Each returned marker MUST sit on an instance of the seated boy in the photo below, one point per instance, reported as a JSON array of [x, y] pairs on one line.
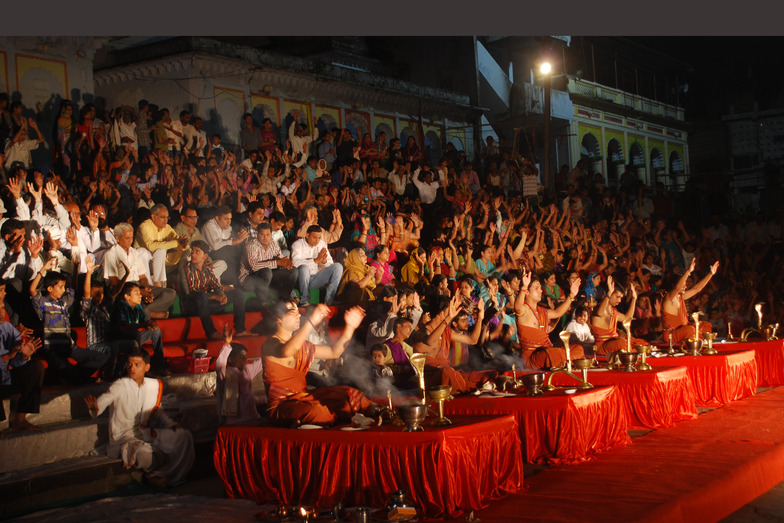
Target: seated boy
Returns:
[[52, 306], [95, 312], [129, 321], [235, 376], [140, 432], [378, 353]]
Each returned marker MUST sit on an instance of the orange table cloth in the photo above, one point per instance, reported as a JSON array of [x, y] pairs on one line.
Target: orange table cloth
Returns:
[[654, 399], [718, 379], [769, 356], [445, 470], [557, 427]]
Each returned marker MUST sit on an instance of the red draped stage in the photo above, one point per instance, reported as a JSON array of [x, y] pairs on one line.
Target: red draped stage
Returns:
[[769, 356], [557, 427], [718, 379], [653, 398], [446, 471]]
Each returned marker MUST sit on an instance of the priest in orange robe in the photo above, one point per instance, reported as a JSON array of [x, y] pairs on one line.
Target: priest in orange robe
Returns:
[[675, 319], [604, 321], [533, 325], [287, 357]]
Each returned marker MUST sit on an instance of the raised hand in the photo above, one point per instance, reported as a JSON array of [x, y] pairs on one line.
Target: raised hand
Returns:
[[15, 187], [92, 403], [610, 285], [35, 245], [525, 278], [713, 268], [51, 192], [28, 347], [320, 312], [574, 288], [354, 317]]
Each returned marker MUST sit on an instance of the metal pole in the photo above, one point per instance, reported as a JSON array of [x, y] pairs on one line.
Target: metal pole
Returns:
[[548, 182]]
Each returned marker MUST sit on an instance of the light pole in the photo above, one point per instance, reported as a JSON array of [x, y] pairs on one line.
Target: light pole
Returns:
[[545, 70]]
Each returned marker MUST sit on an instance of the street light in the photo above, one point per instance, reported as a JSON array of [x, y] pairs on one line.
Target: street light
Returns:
[[545, 69]]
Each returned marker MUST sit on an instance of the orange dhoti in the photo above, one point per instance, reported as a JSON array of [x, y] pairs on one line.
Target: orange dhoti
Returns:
[[614, 344], [538, 350], [678, 325], [289, 400], [440, 367], [325, 405]]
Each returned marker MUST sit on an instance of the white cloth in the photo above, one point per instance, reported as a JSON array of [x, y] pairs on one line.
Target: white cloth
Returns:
[[582, 331], [137, 426], [303, 254], [427, 191], [116, 256], [215, 236]]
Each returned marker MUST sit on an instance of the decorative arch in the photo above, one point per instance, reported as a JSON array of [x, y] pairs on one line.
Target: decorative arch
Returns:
[[676, 163], [658, 168], [386, 129], [614, 151], [615, 161], [357, 125], [325, 123], [405, 132], [458, 143], [637, 155], [589, 146]]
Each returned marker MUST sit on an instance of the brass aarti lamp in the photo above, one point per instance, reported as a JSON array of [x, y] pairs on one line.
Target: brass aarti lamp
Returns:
[[565, 335], [709, 337], [418, 362], [744, 336], [627, 324]]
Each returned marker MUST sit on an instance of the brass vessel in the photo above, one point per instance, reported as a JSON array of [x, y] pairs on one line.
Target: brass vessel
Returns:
[[692, 347], [643, 351], [412, 415], [565, 335], [440, 394], [709, 337], [533, 383], [583, 364], [628, 360]]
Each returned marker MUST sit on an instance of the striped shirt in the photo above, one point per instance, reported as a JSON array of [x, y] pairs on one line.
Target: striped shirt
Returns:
[[96, 321], [256, 257], [201, 280]]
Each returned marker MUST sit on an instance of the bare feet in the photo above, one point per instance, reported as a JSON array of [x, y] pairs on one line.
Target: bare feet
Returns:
[[244, 334], [159, 315], [21, 424]]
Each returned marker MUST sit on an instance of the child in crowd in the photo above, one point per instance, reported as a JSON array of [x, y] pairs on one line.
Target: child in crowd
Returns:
[[378, 353], [235, 375], [140, 432], [95, 313], [129, 321], [52, 306], [580, 329]]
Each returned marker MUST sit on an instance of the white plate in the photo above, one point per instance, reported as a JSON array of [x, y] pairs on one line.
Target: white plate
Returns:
[[310, 427], [570, 391], [354, 428], [598, 369]]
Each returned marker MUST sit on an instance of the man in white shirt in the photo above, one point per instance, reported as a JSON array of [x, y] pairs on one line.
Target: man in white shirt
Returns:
[[123, 257], [97, 238], [428, 188], [316, 268], [217, 233], [18, 147]]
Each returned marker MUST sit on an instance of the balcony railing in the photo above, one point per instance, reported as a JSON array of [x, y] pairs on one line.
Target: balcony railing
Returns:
[[616, 96]]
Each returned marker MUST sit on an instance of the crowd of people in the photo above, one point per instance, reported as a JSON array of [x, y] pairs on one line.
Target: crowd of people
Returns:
[[462, 261]]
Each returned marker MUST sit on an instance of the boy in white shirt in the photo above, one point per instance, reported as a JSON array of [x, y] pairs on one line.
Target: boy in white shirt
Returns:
[[139, 431]]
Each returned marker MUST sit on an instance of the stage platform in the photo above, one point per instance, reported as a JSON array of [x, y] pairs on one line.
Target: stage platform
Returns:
[[654, 399], [769, 356], [697, 471], [557, 427], [718, 379], [446, 471]]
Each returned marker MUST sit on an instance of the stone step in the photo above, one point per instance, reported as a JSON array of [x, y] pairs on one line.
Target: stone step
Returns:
[[64, 404], [78, 437], [59, 483]]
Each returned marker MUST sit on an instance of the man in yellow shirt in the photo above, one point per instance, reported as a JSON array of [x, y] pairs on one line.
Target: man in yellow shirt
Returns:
[[161, 242]]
